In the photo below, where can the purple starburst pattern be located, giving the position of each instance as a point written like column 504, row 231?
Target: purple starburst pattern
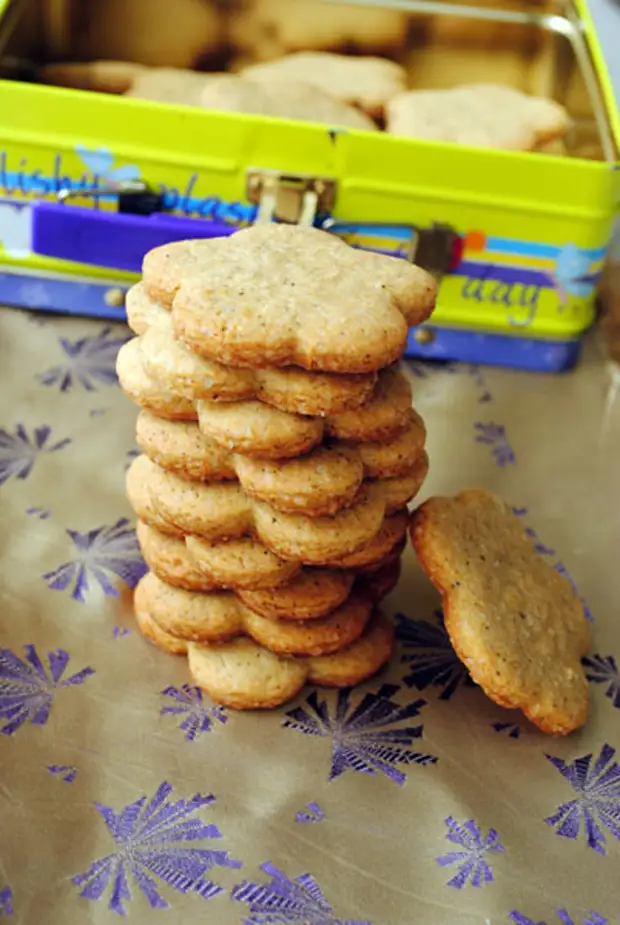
column 593, row 918
column 66, row 772
column 512, row 730
column 27, row 687
column 561, row 568
column 19, row 450
column 478, row 376
column 312, row 813
column 494, row 435
column 598, row 799
column 41, row 513
column 433, row 661
column 602, row 669
column 188, row 702
column 101, row 554
column 366, row 737
column 6, row 901
column 283, row 901
column 119, row 631
column 472, row 865
column 88, row 362
column 151, row 836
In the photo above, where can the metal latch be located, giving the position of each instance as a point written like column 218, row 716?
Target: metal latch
column 295, row 199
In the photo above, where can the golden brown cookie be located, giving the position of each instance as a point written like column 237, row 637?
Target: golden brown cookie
column 154, row 633
column 139, row 497
column 245, row 676
column 146, row 392
column 180, row 371
column 397, row 492
column 310, row 595
column 320, row 540
column 484, row 115
column 385, row 415
column 180, row 447
column 242, row 563
column 514, row 621
column 378, row 584
column 142, row 311
column 193, row 616
column 396, row 456
column 256, row 429
column 260, row 301
column 163, row 268
column 365, row 82
column 388, row 542
column 169, row 558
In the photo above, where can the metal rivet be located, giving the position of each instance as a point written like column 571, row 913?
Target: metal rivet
column 424, row 336
column 114, row 297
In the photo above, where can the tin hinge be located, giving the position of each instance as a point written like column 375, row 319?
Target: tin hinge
column 295, row 199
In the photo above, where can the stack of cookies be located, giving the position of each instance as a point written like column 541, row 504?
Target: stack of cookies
column 280, row 451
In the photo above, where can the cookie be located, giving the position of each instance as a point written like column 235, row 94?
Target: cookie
column 241, row 563
column 320, row 483
column 397, row 492
column 245, row 676
column 482, row 115
column 171, row 561
column 312, row 594
column 216, row 617
column 171, row 85
column 388, row 542
column 513, row 620
column 254, row 429
column 282, row 98
column 139, row 497
column 142, row 311
column 378, row 584
column 179, row 447
column 164, row 267
column 146, row 392
column 396, row 455
column 319, row 540
column 280, row 295
column 215, row 511
column 98, row 76
column 185, row 373
column 154, row 633
column 271, row 27
column 385, row 415
column 365, row 82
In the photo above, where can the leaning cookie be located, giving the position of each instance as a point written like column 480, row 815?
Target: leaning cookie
column 482, row 115
column 245, row 676
column 365, row 82
column 514, row 621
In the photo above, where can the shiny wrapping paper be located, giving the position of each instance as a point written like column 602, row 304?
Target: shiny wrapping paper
column 412, row 799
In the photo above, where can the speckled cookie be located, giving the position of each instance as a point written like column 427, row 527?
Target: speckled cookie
column 513, row 620
column 319, row 540
column 143, row 312
column 365, row 82
column 242, row 563
column 254, row 429
column 312, row 594
column 350, row 312
column 207, row 618
column 139, row 497
column 387, row 543
column 164, row 267
column 146, row 392
column 282, row 98
column 378, row 584
column 397, row 455
column 185, row 373
column 171, row 561
column 397, row 492
column 245, row 676
column 484, row 115
column 215, row 511
column 320, row 482
column 179, row 447
column 154, row 633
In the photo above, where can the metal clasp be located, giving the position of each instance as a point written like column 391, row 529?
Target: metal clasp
column 295, row 199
